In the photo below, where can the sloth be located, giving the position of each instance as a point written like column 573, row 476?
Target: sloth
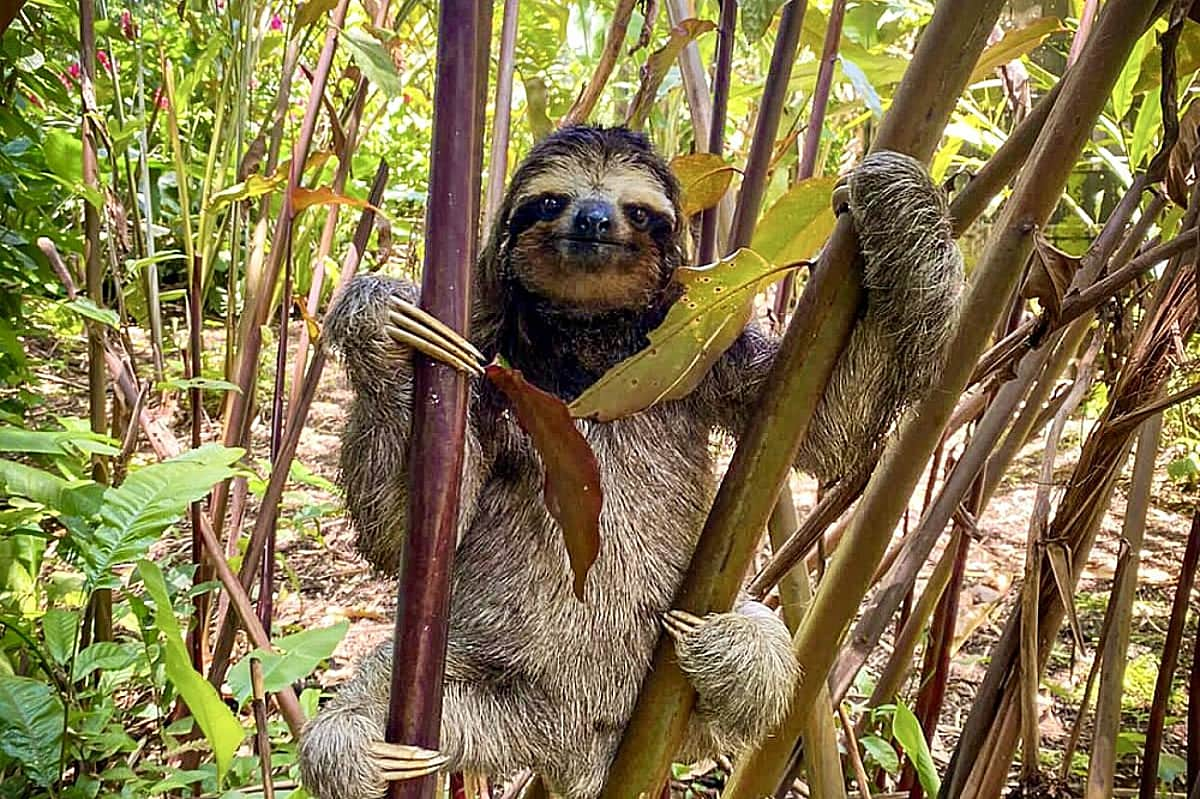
column 579, row 267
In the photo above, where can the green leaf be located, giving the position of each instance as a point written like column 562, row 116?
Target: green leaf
column 151, row 499
column 31, row 726
column 703, row 323
column 1146, row 129
column 58, row 628
column 1124, row 89
column 63, row 152
column 298, row 656
column 204, row 383
column 862, row 84
column 106, row 655
column 216, row 721
column 1014, row 44
column 799, row 222
column 756, row 17
column 908, row 732
column 55, row 442
column 79, row 499
column 1171, row 767
column 89, row 310
column 571, row 490
column 311, row 11
column 373, row 59
column 883, row 752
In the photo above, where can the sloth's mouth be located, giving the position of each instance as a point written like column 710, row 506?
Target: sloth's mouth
column 592, row 241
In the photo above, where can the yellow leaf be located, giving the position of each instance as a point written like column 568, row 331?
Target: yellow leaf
column 704, row 178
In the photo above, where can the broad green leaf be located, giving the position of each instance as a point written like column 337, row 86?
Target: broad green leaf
column 1146, row 129
column 1014, row 44
column 799, row 222
column 102, row 655
column 709, row 316
column 908, row 732
column 216, row 721
column 703, row 178
column 89, row 310
column 658, row 64
column 71, row 498
column 883, row 752
column 31, row 727
column 58, row 628
column 258, row 185
column 297, row 657
column 571, row 490
column 1171, row 767
column 151, row 499
column 372, row 58
column 55, row 442
column 63, row 152
column 1123, row 89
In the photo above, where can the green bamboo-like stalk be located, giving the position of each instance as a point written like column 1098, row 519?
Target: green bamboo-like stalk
column 1102, row 767
column 883, row 502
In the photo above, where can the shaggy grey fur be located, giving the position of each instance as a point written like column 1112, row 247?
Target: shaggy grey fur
column 535, row 678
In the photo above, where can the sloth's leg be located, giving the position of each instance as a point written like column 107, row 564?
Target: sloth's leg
column 742, row 667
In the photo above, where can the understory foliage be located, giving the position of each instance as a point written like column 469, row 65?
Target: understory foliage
column 232, row 150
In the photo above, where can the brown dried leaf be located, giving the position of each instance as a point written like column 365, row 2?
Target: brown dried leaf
column 1050, row 275
column 572, row 487
column 303, row 198
column 1060, row 567
column 1180, row 174
column 704, row 179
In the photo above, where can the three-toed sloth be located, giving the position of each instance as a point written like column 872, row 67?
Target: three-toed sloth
column 578, row 269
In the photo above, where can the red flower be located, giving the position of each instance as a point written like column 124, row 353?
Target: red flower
column 160, row 98
column 102, row 57
column 74, row 71
column 127, row 25
column 276, row 23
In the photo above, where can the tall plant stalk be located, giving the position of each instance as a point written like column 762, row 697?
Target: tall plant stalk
column 709, row 219
column 502, row 114
column 439, row 392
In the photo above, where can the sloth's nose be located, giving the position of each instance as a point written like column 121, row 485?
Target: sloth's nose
column 592, row 218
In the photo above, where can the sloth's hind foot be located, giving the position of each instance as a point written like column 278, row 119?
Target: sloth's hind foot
column 400, row 762
column 409, row 325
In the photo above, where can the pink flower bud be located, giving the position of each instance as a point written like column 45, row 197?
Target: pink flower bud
column 128, row 28
column 102, row 57
column 276, row 23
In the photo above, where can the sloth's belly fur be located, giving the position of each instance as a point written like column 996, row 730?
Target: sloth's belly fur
column 516, row 626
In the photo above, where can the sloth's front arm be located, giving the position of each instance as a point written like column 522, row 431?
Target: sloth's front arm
column 912, row 276
column 374, row 456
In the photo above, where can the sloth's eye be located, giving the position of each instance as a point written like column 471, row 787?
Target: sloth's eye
column 638, row 217
column 550, row 207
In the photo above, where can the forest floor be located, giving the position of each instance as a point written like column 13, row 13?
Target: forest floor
column 324, row 581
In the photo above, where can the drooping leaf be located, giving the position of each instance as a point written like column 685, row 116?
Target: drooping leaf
column 716, row 303
column 1050, row 275
column 862, row 84
column 58, row 628
column 151, row 499
column 372, row 58
column 798, row 223
column 1179, row 167
column 31, row 727
column 883, row 752
column 908, row 732
column 258, row 185
column 1014, row 44
column 297, row 657
column 1060, row 568
column 572, row 484
column 216, row 721
column 1146, row 129
column 79, row 499
column 658, row 64
column 303, row 198
column 103, row 655
column 703, row 178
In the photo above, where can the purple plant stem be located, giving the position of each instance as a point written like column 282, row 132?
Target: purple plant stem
column 439, row 392
column 707, row 251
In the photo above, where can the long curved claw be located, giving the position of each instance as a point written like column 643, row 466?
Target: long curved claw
column 401, row 762
column 413, row 327
column 680, row 623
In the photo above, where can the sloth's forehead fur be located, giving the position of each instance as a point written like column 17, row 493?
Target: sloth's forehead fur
column 584, row 161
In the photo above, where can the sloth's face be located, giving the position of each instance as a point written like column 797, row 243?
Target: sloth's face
column 593, row 227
